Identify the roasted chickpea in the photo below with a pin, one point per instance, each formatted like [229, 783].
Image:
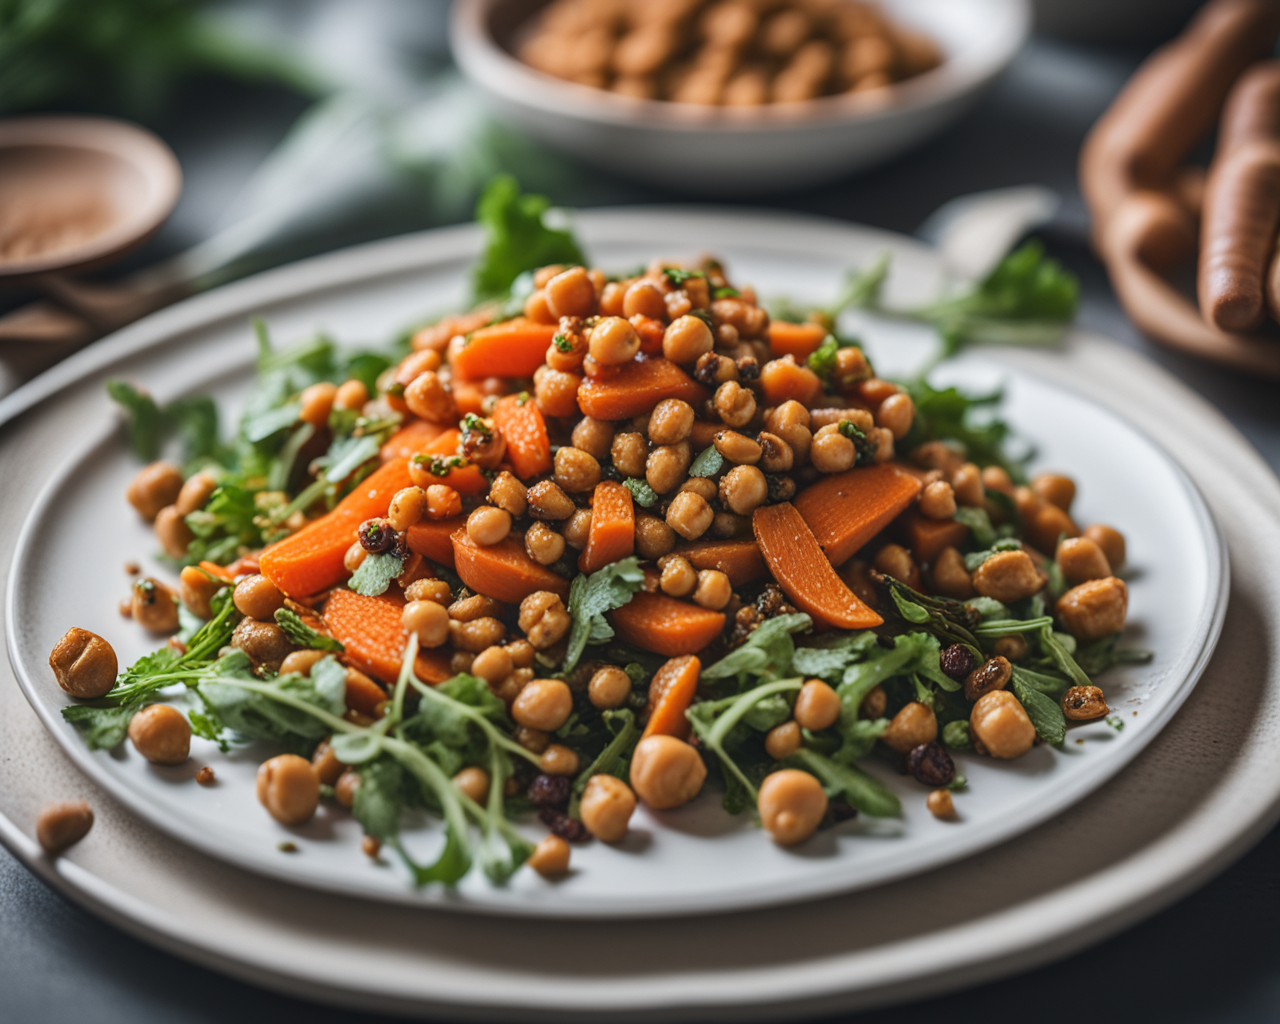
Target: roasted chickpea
[817, 706]
[543, 619]
[1111, 541]
[84, 664]
[595, 437]
[966, 484]
[992, 674]
[443, 502]
[1047, 525]
[62, 825]
[544, 704]
[536, 308]
[996, 478]
[477, 606]
[940, 804]
[613, 341]
[950, 577]
[896, 414]
[488, 526]
[1095, 609]
[153, 606]
[831, 451]
[548, 502]
[543, 544]
[667, 465]
[326, 764]
[679, 578]
[428, 621]
[704, 487]
[265, 643]
[477, 635]
[161, 734]
[195, 492]
[556, 391]
[300, 662]
[1055, 489]
[344, 790]
[783, 740]
[429, 590]
[196, 589]
[670, 422]
[351, 395]
[874, 703]
[644, 298]
[317, 402]
[914, 724]
[689, 515]
[257, 597]
[522, 653]
[654, 538]
[1081, 560]
[666, 772]
[493, 665]
[428, 397]
[735, 405]
[713, 591]
[289, 789]
[1007, 576]
[896, 561]
[155, 487]
[938, 501]
[558, 760]
[460, 661]
[686, 340]
[999, 722]
[533, 740]
[738, 448]
[354, 557]
[550, 858]
[408, 506]
[792, 805]
[577, 529]
[474, 783]
[776, 456]
[571, 293]
[576, 471]
[609, 688]
[1083, 703]
[744, 489]
[629, 452]
[172, 531]
[606, 807]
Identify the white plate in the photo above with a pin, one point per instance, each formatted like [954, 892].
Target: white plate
[1205, 789]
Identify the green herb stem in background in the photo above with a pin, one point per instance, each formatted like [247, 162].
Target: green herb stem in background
[518, 239]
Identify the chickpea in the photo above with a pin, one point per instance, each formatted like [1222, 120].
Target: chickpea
[606, 807]
[1095, 609]
[550, 858]
[543, 619]
[476, 635]
[265, 643]
[571, 293]
[558, 760]
[713, 591]
[966, 483]
[488, 526]
[155, 487]
[1081, 560]
[817, 706]
[576, 471]
[522, 653]
[950, 577]
[783, 740]
[831, 451]
[153, 606]
[427, 396]
[257, 597]
[328, 768]
[666, 772]
[738, 448]
[477, 606]
[629, 452]
[543, 544]
[743, 489]
[408, 506]
[414, 364]
[1028, 504]
[992, 674]
[1084, 703]
[196, 589]
[84, 664]
[609, 688]
[62, 825]
[548, 502]
[544, 704]
[727, 525]
[1048, 524]
[195, 492]
[896, 414]
[493, 665]
[874, 703]
[686, 340]
[667, 465]
[301, 662]
[914, 724]
[172, 531]
[792, 805]
[689, 515]
[704, 487]
[460, 661]
[644, 298]
[344, 790]
[1111, 541]
[1007, 576]
[317, 402]
[428, 590]
[999, 722]
[595, 437]
[896, 561]
[995, 478]
[289, 789]
[556, 391]
[577, 529]
[776, 456]
[536, 308]
[351, 395]
[670, 422]
[534, 740]
[679, 578]
[354, 557]
[654, 538]
[443, 502]
[613, 341]
[161, 734]
[474, 783]
[1055, 489]
[940, 804]
[426, 620]
[735, 404]
[938, 501]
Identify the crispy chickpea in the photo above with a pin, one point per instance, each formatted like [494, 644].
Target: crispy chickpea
[996, 478]
[1048, 524]
[831, 451]
[679, 578]
[629, 452]
[161, 734]
[1111, 541]
[1081, 560]
[713, 591]
[654, 538]
[576, 471]
[344, 790]
[940, 804]
[300, 662]
[488, 526]
[172, 531]
[428, 621]
[874, 703]
[613, 341]
[195, 492]
[443, 502]
[548, 502]
[477, 635]
[666, 772]
[408, 506]
[558, 760]
[428, 397]
[196, 589]
[914, 724]
[744, 489]
[265, 643]
[666, 466]
[317, 402]
[522, 653]
[550, 858]
[153, 606]
[999, 722]
[289, 789]
[536, 308]
[896, 414]
[817, 706]
[543, 619]
[670, 422]
[595, 437]
[493, 665]
[1007, 576]
[351, 395]
[556, 391]
[571, 293]
[644, 298]
[84, 664]
[1055, 489]
[577, 529]
[992, 674]
[509, 494]
[533, 740]
[543, 544]
[1084, 703]
[429, 590]
[783, 740]
[354, 557]
[950, 577]
[544, 704]
[414, 364]
[689, 515]
[792, 805]
[474, 783]
[606, 807]
[938, 501]
[776, 456]
[62, 825]
[738, 448]
[896, 561]
[703, 487]
[477, 606]
[609, 688]
[1095, 609]
[155, 487]
[328, 768]
[966, 483]
[686, 340]
[460, 661]
[734, 404]
[257, 597]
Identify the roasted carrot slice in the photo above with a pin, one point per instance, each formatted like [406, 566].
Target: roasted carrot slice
[651, 333]
[740, 560]
[784, 380]
[658, 623]
[636, 388]
[513, 348]
[846, 510]
[220, 572]
[613, 527]
[928, 538]
[310, 561]
[410, 440]
[438, 335]
[431, 538]
[520, 422]
[370, 630]
[503, 571]
[801, 569]
[363, 694]
[670, 693]
[799, 340]
[465, 479]
[469, 397]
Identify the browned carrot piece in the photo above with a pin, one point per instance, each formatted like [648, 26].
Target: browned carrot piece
[521, 425]
[310, 561]
[363, 694]
[651, 333]
[740, 560]
[613, 527]
[410, 440]
[469, 397]
[513, 348]
[438, 335]
[370, 630]
[464, 479]
[503, 571]
[846, 510]
[670, 694]
[928, 538]
[802, 571]
[636, 388]
[431, 538]
[658, 623]
[799, 340]
[785, 380]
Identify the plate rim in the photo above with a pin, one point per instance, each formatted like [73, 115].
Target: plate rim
[453, 242]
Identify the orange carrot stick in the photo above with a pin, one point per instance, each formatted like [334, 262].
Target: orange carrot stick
[802, 571]
[411, 439]
[503, 571]
[798, 340]
[784, 380]
[846, 510]
[520, 422]
[438, 335]
[636, 388]
[613, 527]
[513, 348]
[432, 538]
[370, 630]
[658, 623]
[740, 560]
[670, 694]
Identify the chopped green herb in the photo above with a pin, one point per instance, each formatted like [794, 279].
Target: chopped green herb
[726, 293]
[562, 343]
[517, 238]
[641, 492]
[302, 634]
[708, 463]
[591, 596]
[677, 277]
[376, 573]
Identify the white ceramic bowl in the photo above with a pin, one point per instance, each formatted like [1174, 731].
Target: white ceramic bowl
[715, 150]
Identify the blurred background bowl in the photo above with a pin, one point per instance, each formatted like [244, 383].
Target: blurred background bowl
[742, 151]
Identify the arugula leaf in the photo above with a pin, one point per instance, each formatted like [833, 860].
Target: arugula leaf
[376, 573]
[979, 523]
[518, 238]
[767, 652]
[715, 721]
[101, 728]
[831, 654]
[590, 597]
[1045, 712]
[864, 792]
[1097, 656]
[379, 801]
[303, 635]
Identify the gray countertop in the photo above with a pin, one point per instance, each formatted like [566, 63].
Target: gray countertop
[1214, 957]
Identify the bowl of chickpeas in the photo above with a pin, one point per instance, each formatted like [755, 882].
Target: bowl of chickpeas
[735, 96]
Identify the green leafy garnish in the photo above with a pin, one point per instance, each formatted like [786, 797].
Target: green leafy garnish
[677, 277]
[641, 492]
[708, 463]
[591, 596]
[517, 238]
[376, 573]
[303, 635]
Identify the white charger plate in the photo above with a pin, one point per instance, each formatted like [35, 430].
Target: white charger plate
[698, 858]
